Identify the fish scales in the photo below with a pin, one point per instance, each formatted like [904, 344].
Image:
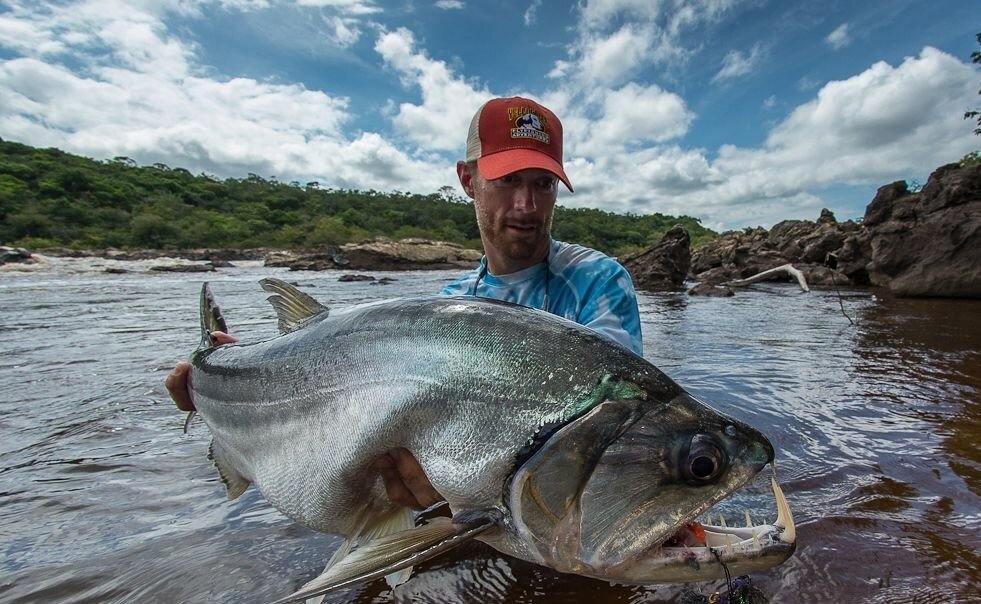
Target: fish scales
[462, 383]
[548, 441]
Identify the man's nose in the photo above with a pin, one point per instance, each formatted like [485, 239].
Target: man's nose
[524, 197]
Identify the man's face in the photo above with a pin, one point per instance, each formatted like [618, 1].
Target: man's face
[514, 214]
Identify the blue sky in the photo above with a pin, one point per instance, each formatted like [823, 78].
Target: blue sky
[740, 113]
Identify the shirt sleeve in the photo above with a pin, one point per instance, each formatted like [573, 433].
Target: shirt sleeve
[611, 309]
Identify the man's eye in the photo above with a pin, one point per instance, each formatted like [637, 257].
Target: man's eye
[546, 184]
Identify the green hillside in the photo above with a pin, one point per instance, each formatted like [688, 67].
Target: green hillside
[52, 198]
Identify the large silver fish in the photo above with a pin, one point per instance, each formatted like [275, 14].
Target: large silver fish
[549, 442]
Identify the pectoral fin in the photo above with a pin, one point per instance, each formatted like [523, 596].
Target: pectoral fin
[386, 555]
[235, 483]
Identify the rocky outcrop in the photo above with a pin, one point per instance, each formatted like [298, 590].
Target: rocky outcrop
[183, 268]
[353, 278]
[805, 244]
[663, 266]
[15, 255]
[925, 243]
[385, 254]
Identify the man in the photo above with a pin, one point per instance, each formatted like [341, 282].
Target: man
[512, 168]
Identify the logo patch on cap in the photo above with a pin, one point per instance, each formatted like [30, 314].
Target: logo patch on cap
[528, 123]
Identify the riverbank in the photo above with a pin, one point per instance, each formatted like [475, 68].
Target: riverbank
[924, 243]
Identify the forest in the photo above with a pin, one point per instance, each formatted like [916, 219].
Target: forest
[50, 198]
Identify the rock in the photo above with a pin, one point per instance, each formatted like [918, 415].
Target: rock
[385, 254]
[348, 278]
[408, 254]
[928, 243]
[279, 259]
[707, 289]
[804, 244]
[384, 281]
[663, 266]
[12, 255]
[915, 244]
[115, 271]
[221, 263]
[183, 268]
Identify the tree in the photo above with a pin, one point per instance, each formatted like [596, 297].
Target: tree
[976, 114]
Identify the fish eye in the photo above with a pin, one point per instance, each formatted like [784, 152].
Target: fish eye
[705, 460]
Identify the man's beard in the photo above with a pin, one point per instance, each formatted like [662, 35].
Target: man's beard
[515, 246]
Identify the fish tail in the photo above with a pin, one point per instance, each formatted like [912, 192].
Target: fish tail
[211, 318]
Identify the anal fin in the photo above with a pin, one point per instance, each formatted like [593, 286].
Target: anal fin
[235, 483]
[387, 555]
[369, 528]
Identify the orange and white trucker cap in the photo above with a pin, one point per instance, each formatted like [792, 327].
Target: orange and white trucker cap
[507, 135]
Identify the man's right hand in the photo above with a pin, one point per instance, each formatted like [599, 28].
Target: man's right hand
[176, 381]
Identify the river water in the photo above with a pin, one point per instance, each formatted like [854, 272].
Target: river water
[876, 428]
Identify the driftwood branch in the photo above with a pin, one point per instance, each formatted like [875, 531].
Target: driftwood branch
[785, 268]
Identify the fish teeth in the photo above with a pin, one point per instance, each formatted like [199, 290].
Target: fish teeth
[785, 519]
[749, 520]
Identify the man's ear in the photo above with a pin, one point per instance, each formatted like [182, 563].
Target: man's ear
[466, 178]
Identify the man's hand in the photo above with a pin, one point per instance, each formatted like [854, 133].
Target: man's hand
[405, 481]
[176, 381]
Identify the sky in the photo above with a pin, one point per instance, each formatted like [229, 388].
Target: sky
[739, 113]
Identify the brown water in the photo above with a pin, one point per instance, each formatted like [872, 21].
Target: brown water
[876, 429]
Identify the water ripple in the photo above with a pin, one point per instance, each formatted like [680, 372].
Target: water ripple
[875, 426]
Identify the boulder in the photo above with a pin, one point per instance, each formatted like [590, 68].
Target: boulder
[925, 243]
[350, 278]
[805, 244]
[663, 266]
[385, 254]
[183, 268]
[928, 243]
[18, 255]
[707, 289]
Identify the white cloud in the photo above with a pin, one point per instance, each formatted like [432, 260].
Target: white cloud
[737, 64]
[347, 7]
[893, 118]
[639, 114]
[639, 33]
[883, 124]
[806, 83]
[448, 101]
[449, 4]
[609, 60]
[531, 15]
[141, 93]
[108, 77]
[344, 31]
[839, 38]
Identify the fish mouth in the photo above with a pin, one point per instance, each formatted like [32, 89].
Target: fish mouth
[703, 551]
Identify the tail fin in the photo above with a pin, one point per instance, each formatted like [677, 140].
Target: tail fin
[211, 319]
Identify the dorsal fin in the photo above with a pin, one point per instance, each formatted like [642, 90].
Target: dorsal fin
[292, 306]
[211, 319]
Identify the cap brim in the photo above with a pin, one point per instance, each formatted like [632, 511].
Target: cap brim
[503, 163]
